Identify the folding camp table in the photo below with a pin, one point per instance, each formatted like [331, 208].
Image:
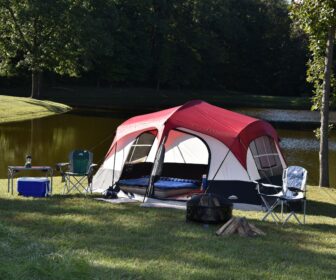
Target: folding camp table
[12, 170]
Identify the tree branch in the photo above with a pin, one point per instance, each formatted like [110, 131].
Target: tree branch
[17, 26]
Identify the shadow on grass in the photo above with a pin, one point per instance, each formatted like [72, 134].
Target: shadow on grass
[48, 106]
[315, 208]
[72, 204]
[75, 195]
[321, 208]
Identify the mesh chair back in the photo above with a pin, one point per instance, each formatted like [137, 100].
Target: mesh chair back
[295, 178]
[80, 161]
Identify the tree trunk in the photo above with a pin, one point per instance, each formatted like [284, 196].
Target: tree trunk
[324, 149]
[36, 84]
[40, 84]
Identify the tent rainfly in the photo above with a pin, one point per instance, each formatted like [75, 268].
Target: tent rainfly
[165, 154]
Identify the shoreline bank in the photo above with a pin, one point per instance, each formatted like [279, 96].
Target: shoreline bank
[13, 109]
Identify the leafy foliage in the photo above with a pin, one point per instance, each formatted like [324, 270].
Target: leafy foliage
[245, 45]
[241, 45]
[46, 35]
[316, 17]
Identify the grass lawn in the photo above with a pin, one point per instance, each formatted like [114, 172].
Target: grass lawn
[73, 237]
[21, 108]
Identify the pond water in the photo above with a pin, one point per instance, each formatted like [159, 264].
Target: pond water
[49, 140]
[300, 147]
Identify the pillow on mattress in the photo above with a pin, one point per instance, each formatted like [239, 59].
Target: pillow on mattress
[179, 180]
[143, 181]
[173, 182]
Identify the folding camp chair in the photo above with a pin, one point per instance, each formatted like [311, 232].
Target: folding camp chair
[293, 192]
[79, 168]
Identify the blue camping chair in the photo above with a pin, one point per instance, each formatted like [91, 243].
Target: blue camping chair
[79, 168]
[291, 194]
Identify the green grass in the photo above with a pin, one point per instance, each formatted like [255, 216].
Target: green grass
[73, 237]
[21, 108]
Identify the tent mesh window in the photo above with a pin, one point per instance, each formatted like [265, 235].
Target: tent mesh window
[266, 157]
[141, 147]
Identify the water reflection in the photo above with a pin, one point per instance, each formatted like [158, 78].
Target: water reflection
[279, 115]
[300, 147]
[49, 140]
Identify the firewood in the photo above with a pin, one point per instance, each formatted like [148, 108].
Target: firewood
[242, 232]
[243, 229]
[232, 227]
[224, 227]
[239, 226]
[249, 229]
[245, 224]
[256, 230]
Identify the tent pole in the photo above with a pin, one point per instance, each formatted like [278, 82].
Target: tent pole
[114, 161]
[221, 164]
[206, 191]
[154, 170]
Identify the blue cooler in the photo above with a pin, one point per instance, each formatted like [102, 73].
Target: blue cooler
[33, 186]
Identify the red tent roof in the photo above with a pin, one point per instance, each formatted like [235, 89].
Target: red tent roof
[235, 130]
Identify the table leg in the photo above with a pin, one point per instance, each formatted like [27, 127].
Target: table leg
[9, 178]
[51, 183]
[49, 174]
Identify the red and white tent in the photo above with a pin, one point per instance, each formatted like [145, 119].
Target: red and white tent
[236, 149]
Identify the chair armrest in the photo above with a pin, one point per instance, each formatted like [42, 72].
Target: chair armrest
[265, 186]
[91, 168]
[60, 165]
[271, 186]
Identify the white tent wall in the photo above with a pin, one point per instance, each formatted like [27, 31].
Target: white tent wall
[152, 153]
[102, 180]
[105, 176]
[230, 169]
[185, 148]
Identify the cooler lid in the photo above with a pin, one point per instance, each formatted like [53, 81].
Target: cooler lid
[33, 179]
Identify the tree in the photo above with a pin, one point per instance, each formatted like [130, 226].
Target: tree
[244, 45]
[318, 20]
[44, 35]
